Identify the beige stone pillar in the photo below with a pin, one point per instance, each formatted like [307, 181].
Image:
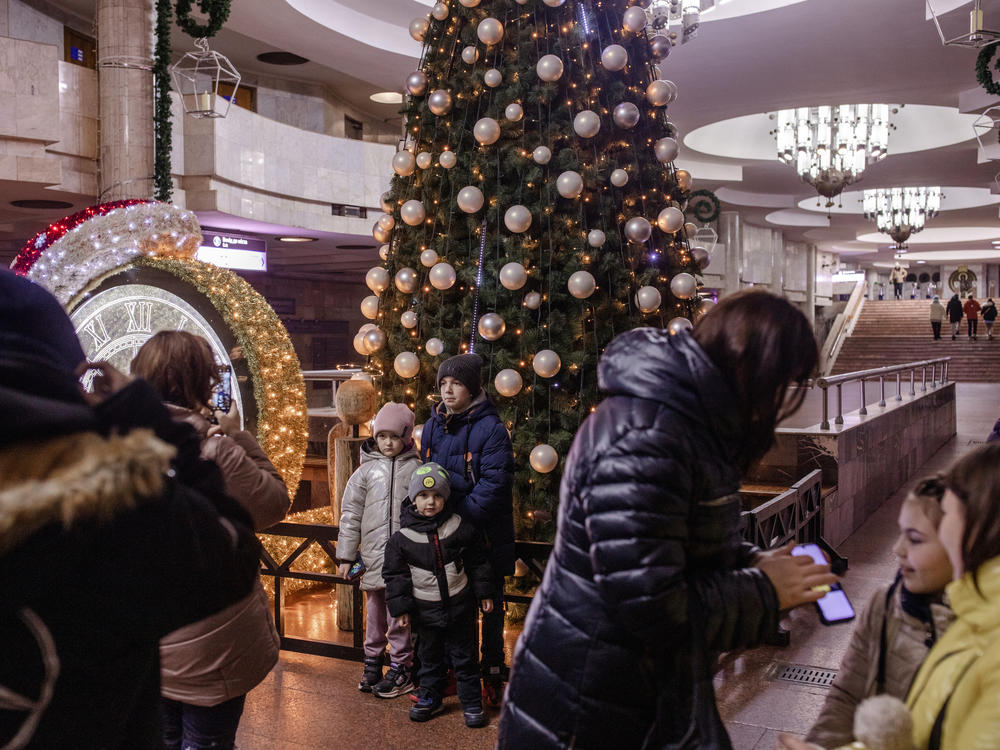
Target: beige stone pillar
[125, 31]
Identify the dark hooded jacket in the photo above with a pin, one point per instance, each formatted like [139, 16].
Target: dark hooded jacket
[474, 448]
[648, 576]
[954, 309]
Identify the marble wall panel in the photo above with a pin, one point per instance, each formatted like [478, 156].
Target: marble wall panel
[34, 26]
[4, 17]
[794, 256]
[29, 86]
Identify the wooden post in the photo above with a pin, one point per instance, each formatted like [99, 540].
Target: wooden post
[343, 458]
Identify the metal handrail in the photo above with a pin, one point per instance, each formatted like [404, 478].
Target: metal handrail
[335, 378]
[838, 382]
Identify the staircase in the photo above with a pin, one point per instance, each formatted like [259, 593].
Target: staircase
[892, 332]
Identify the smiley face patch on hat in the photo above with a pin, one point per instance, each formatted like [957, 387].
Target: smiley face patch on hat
[430, 476]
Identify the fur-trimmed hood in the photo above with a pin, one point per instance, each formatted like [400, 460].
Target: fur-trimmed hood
[82, 475]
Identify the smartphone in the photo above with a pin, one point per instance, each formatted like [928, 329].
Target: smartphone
[835, 607]
[222, 398]
[356, 569]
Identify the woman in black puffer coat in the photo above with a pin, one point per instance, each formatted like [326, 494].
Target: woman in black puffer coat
[649, 576]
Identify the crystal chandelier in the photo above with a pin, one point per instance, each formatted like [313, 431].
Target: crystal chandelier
[901, 211]
[831, 146]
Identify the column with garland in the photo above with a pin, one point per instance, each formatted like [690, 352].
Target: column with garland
[535, 214]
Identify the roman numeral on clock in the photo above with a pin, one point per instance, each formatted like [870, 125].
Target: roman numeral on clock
[140, 317]
[95, 327]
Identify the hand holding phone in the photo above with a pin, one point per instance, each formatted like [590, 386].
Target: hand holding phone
[794, 577]
[834, 607]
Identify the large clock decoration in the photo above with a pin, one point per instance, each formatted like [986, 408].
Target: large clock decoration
[126, 270]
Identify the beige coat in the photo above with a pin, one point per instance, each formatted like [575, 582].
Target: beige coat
[937, 312]
[229, 653]
[906, 638]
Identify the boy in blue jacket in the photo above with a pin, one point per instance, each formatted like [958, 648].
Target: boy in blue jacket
[465, 435]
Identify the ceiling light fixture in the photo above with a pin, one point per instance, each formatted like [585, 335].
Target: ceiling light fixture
[296, 239]
[387, 97]
[206, 81]
[831, 146]
[901, 211]
[978, 36]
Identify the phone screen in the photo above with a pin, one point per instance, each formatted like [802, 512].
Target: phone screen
[835, 606]
[223, 400]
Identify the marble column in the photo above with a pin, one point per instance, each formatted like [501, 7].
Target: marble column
[730, 234]
[125, 61]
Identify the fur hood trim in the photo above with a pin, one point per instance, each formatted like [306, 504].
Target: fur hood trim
[76, 477]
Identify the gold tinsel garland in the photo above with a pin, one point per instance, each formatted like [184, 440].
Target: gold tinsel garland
[278, 387]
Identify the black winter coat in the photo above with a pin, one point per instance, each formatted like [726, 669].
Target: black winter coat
[435, 568]
[649, 575]
[954, 310]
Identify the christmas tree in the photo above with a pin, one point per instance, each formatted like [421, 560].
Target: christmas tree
[534, 215]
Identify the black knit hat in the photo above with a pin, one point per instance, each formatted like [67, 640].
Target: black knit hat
[467, 369]
[33, 322]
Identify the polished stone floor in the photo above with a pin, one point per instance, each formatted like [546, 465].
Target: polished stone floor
[312, 703]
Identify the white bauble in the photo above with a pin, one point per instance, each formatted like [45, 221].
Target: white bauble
[666, 150]
[406, 364]
[379, 234]
[470, 199]
[434, 346]
[634, 19]
[448, 159]
[659, 47]
[418, 432]
[442, 276]
[553, 3]
[625, 115]
[377, 279]
[470, 54]
[375, 339]
[676, 325]
[596, 238]
[508, 382]
[700, 256]
[619, 178]
[648, 298]
[491, 326]
[416, 83]
[439, 11]
[542, 155]
[383, 251]
[369, 307]
[439, 102]
[570, 184]
[543, 458]
[386, 222]
[683, 286]
[424, 159]
[517, 218]
[367, 327]
[549, 68]
[486, 131]
[586, 124]
[684, 180]
[658, 93]
[403, 163]
[412, 212]
[614, 57]
[428, 258]
[492, 78]
[409, 319]
[514, 112]
[670, 220]
[489, 31]
[532, 300]
[638, 229]
[581, 284]
[407, 280]
[418, 28]
[360, 345]
[469, 3]
[513, 276]
[546, 363]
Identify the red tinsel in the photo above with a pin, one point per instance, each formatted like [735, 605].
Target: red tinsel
[41, 242]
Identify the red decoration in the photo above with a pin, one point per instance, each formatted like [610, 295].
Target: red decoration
[41, 242]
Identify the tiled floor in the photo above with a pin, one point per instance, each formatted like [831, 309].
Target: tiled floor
[312, 703]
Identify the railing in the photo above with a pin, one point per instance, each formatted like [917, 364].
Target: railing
[335, 378]
[794, 514]
[879, 372]
[842, 327]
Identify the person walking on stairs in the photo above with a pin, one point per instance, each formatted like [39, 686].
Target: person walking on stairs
[937, 316]
[954, 314]
[989, 317]
[971, 309]
[897, 276]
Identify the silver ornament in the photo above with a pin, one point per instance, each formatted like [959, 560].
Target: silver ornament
[469, 3]
[634, 19]
[532, 300]
[638, 229]
[360, 345]
[407, 280]
[549, 68]
[408, 319]
[690, 229]
[418, 28]
[658, 93]
[670, 220]
[517, 218]
[614, 57]
[542, 155]
[666, 150]
[439, 102]
[569, 184]
[489, 31]
[596, 238]
[434, 346]
[412, 212]
[442, 276]
[508, 382]
[581, 284]
[470, 199]
[486, 131]
[683, 286]
[439, 11]
[648, 298]
[543, 458]
[369, 307]
[684, 180]
[386, 222]
[514, 112]
[406, 364]
[403, 163]
[619, 178]
[380, 234]
[366, 328]
[492, 78]
[586, 124]
[546, 363]
[424, 159]
[701, 257]
[416, 83]
[447, 159]
[625, 115]
[513, 276]
[491, 326]
[470, 54]
[553, 3]
[428, 258]
[383, 251]
[659, 47]
[676, 325]
[375, 339]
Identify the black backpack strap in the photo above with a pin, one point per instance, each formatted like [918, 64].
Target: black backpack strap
[934, 742]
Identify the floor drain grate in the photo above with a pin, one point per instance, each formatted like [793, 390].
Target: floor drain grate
[805, 675]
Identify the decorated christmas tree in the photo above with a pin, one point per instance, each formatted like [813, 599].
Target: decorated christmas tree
[534, 215]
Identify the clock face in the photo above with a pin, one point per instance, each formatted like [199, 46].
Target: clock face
[113, 324]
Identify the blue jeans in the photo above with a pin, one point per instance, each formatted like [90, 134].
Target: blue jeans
[187, 727]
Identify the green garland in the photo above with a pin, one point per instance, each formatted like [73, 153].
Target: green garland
[217, 11]
[707, 209]
[162, 128]
[983, 74]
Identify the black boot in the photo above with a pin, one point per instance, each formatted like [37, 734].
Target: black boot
[372, 674]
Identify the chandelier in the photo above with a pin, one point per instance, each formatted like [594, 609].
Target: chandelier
[831, 146]
[901, 211]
